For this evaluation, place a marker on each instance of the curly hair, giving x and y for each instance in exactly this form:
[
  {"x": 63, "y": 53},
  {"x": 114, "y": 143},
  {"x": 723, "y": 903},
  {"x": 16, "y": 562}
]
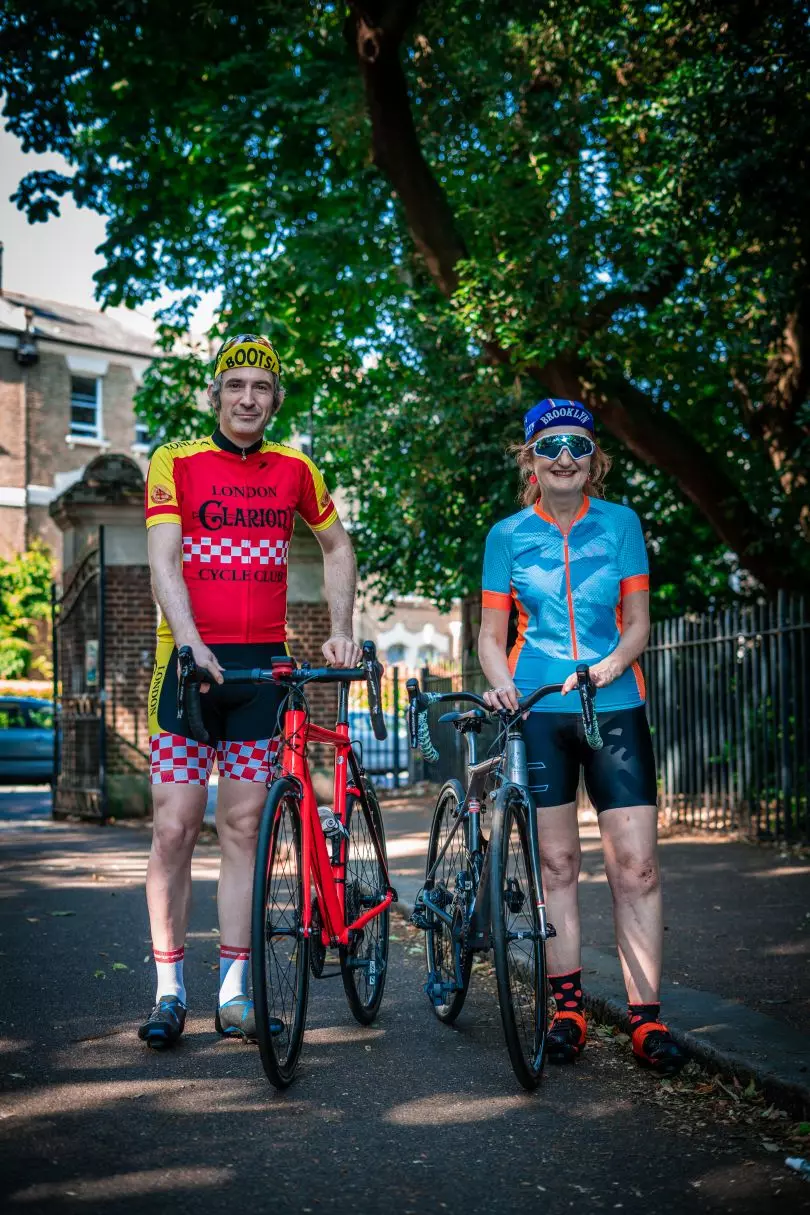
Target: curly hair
[{"x": 529, "y": 491}]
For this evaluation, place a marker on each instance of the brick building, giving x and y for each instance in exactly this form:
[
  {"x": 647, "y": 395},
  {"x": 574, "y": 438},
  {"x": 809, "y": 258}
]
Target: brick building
[{"x": 67, "y": 380}]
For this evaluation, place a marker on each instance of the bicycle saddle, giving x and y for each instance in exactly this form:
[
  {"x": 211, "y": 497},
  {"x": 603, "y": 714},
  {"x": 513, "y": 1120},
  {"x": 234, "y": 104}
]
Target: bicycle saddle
[{"x": 473, "y": 719}]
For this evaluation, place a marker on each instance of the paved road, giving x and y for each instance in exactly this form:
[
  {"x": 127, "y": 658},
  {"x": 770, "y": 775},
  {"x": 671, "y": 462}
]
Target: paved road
[
  {"x": 737, "y": 915},
  {"x": 405, "y": 1115}
]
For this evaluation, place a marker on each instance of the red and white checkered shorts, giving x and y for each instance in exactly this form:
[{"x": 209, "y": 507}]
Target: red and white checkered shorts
[{"x": 176, "y": 760}]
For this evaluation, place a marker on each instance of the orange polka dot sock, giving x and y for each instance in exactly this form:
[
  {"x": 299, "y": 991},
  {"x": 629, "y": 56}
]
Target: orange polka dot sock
[
  {"x": 640, "y": 1013},
  {"x": 567, "y": 991}
]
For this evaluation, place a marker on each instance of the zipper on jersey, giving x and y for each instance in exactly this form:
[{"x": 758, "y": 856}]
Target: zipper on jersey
[{"x": 568, "y": 593}]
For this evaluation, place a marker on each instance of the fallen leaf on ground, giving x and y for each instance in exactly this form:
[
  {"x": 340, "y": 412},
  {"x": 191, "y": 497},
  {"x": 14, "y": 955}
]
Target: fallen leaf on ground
[
  {"x": 32, "y": 919},
  {"x": 63, "y": 913},
  {"x": 120, "y": 966},
  {"x": 99, "y": 974}
]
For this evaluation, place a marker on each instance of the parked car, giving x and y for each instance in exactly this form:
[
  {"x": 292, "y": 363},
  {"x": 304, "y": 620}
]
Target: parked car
[
  {"x": 26, "y": 740},
  {"x": 378, "y": 757}
]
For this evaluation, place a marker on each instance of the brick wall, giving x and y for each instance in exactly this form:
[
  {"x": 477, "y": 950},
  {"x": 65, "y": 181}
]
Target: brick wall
[
  {"x": 308, "y": 627},
  {"x": 12, "y": 451},
  {"x": 43, "y": 390}
]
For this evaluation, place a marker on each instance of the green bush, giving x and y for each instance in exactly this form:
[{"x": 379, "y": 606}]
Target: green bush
[{"x": 25, "y": 600}]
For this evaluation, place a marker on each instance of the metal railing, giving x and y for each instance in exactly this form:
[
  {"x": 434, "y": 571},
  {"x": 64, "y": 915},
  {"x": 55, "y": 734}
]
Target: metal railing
[
  {"x": 729, "y": 705},
  {"x": 728, "y": 696}
]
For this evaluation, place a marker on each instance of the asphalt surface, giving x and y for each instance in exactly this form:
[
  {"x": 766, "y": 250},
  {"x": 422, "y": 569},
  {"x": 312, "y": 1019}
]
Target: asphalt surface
[
  {"x": 737, "y": 915},
  {"x": 404, "y": 1115}
]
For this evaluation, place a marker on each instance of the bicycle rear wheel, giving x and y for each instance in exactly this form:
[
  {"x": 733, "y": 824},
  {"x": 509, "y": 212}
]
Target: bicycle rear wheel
[
  {"x": 448, "y": 960},
  {"x": 520, "y": 956},
  {"x": 364, "y": 963},
  {"x": 279, "y": 951}
]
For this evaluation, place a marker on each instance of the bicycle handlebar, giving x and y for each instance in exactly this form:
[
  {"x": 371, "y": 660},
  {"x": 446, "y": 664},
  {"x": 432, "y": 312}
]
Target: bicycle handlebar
[
  {"x": 283, "y": 671},
  {"x": 418, "y": 703}
]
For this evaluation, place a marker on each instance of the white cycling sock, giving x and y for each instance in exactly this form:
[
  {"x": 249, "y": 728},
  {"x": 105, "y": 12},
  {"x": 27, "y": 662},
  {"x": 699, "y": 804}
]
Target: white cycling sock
[
  {"x": 169, "y": 963},
  {"x": 233, "y": 972}
]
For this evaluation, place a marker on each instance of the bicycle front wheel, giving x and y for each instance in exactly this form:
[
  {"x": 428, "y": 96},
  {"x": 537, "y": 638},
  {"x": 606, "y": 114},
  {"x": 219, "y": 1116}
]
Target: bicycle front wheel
[
  {"x": 449, "y": 960},
  {"x": 279, "y": 950},
  {"x": 364, "y": 963},
  {"x": 520, "y": 958}
]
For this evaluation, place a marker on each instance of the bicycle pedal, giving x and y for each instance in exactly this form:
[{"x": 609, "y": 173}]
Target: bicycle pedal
[{"x": 550, "y": 932}]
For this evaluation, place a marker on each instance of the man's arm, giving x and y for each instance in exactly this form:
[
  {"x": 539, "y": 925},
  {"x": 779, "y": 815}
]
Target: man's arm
[
  {"x": 340, "y": 579},
  {"x": 165, "y": 548}
]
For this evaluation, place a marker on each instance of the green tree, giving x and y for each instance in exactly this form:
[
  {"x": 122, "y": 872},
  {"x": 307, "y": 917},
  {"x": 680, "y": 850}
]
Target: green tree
[
  {"x": 439, "y": 216},
  {"x": 25, "y": 602}
]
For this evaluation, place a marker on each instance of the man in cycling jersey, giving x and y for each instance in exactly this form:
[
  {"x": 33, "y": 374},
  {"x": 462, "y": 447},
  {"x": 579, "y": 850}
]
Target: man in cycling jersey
[{"x": 220, "y": 513}]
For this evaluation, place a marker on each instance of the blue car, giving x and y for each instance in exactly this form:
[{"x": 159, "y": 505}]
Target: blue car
[{"x": 26, "y": 740}]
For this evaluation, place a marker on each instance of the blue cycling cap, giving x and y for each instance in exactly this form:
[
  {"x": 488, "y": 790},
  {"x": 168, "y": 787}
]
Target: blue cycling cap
[{"x": 555, "y": 412}]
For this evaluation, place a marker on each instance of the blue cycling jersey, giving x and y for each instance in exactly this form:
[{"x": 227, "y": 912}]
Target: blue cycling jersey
[{"x": 568, "y": 590}]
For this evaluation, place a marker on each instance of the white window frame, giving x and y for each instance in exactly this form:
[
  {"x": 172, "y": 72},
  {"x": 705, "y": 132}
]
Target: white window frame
[{"x": 97, "y": 436}]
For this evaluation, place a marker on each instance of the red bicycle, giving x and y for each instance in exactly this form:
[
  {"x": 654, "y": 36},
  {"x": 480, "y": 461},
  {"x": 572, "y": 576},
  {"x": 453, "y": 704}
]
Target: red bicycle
[{"x": 318, "y": 883}]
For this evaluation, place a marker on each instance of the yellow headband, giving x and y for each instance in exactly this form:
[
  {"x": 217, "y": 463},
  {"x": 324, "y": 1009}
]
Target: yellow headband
[{"x": 247, "y": 354}]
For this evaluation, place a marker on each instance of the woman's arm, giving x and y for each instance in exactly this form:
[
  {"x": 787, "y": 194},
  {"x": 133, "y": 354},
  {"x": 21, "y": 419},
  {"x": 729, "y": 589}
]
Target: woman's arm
[{"x": 494, "y": 663}]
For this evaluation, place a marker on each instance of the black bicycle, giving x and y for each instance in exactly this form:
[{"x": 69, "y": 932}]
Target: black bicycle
[{"x": 485, "y": 892}]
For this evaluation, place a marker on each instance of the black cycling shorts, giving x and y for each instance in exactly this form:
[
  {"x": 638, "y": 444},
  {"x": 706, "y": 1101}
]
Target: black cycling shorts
[
  {"x": 621, "y": 774},
  {"x": 231, "y": 713}
]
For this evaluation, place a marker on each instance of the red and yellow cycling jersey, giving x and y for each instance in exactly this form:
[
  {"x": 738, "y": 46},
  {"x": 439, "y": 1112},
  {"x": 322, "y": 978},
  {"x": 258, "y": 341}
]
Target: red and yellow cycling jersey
[{"x": 236, "y": 512}]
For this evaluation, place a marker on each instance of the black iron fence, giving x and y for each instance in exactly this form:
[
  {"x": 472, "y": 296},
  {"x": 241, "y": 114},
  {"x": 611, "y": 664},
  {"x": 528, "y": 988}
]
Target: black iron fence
[
  {"x": 78, "y": 676},
  {"x": 729, "y": 704}
]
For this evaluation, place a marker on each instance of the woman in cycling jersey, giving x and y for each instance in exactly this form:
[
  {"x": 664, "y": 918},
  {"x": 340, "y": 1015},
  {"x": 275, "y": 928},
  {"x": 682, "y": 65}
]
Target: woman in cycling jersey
[{"x": 575, "y": 567}]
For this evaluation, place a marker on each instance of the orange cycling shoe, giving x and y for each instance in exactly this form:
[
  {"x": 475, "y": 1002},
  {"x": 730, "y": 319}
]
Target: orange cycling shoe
[
  {"x": 654, "y": 1047},
  {"x": 566, "y": 1037}
]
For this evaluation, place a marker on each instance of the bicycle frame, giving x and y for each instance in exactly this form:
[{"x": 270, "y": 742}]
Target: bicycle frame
[
  {"x": 321, "y": 870},
  {"x": 515, "y": 780}
]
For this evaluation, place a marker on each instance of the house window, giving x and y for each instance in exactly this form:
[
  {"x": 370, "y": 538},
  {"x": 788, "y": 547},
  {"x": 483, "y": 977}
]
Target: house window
[
  {"x": 85, "y": 407},
  {"x": 141, "y": 434}
]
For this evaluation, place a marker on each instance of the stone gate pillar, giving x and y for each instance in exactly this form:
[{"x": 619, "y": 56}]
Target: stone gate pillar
[{"x": 108, "y": 502}]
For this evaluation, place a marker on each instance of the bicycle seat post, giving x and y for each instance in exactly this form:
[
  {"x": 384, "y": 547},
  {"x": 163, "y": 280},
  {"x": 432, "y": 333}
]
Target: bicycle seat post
[{"x": 470, "y": 737}]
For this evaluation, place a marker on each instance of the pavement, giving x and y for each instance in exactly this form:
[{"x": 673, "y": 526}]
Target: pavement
[
  {"x": 405, "y": 1115},
  {"x": 736, "y": 987}
]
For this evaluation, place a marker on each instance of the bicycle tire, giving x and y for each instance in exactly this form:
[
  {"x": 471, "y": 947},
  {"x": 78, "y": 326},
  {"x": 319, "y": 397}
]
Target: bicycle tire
[
  {"x": 279, "y": 951},
  {"x": 444, "y": 956},
  {"x": 520, "y": 963},
  {"x": 366, "y": 884}
]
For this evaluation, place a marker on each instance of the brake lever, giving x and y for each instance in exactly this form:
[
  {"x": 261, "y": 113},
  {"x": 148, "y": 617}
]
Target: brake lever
[{"x": 187, "y": 665}]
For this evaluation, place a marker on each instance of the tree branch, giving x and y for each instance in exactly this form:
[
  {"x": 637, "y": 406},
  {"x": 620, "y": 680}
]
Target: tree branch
[
  {"x": 655, "y": 437},
  {"x": 649, "y": 296},
  {"x": 377, "y": 34}
]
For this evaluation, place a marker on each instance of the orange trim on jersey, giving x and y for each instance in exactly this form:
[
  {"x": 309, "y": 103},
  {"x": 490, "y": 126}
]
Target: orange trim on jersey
[
  {"x": 583, "y": 510},
  {"x": 636, "y": 667},
  {"x": 498, "y": 600},
  {"x": 570, "y": 598},
  {"x": 638, "y": 582},
  {"x": 523, "y": 620}
]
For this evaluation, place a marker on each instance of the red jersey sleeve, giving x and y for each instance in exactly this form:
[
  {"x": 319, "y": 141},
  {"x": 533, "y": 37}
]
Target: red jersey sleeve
[{"x": 315, "y": 506}]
